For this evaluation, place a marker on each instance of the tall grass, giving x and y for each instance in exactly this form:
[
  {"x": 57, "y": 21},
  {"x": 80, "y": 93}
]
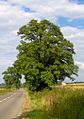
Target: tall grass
[
  {"x": 66, "y": 104},
  {"x": 62, "y": 102}
]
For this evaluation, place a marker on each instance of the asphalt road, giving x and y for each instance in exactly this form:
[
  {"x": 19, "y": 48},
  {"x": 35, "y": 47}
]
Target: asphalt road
[{"x": 11, "y": 104}]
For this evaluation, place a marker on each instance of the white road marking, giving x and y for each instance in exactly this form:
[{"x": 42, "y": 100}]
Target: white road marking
[{"x": 7, "y": 98}]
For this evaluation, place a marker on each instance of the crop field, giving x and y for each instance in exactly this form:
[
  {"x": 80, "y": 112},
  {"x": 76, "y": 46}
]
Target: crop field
[{"x": 4, "y": 90}]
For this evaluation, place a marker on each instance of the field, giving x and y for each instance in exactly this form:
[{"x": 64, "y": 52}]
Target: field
[
  {"x": 4, "y": 90},
  {"x": 62, "y": 102}
]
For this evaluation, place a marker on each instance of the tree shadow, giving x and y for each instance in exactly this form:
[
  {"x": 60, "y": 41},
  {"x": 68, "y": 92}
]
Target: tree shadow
[{"x": 35, "y": 114}]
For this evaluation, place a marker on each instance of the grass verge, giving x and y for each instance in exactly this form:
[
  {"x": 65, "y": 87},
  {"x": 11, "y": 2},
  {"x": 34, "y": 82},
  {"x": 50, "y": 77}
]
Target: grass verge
[{"x": 62, "y": 102}]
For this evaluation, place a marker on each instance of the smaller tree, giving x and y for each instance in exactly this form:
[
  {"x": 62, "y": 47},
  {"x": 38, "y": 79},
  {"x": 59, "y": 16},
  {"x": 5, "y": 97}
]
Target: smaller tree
[{"x": 12, "y": 78}]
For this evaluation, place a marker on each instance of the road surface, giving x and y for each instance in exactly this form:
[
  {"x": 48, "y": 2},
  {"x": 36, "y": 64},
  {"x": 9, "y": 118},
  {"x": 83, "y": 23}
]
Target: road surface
[{"x": 11, "y": 104}]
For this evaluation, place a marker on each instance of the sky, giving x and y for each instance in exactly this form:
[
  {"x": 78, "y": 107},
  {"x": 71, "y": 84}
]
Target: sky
[{"x": 68, "y": 14}]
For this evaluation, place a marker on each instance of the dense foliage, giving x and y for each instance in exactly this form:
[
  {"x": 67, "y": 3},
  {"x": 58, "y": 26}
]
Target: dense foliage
[
  {"x": 12, "y": 77},
  {"x": 45, "y": 56}
]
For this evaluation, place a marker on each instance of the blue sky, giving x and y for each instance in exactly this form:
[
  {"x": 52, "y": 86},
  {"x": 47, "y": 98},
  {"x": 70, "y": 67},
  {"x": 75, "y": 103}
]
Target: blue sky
[
  {"x": 68, "y": 14},
  {"x": 78, "y": 1},
  {"x": 64, "y": 21}
]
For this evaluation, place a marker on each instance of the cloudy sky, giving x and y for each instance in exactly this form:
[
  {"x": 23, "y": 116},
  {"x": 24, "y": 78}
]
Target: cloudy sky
[{"x": 68, "y": 14}]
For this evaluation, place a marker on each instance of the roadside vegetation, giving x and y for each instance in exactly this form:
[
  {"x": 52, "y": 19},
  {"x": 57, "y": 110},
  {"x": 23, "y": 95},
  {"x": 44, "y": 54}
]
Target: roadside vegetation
[{"x": 62, "y": 102}]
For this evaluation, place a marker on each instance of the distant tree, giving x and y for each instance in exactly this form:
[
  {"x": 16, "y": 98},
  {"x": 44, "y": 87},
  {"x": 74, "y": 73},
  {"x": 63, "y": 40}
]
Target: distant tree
[
  {"x": 45, "y": 56},
  {"x": 11, "y": 78}
]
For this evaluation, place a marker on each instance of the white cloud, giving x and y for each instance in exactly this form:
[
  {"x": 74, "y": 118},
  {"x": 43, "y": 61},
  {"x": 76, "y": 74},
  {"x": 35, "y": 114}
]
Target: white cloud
[
  {"x": 11, "y": 18},
  {"x": 76, "y": 36},
  {"x": 80, "y": 64},
  {"x": 73, "y": 32},
  {"x": 52, "y": 8}
]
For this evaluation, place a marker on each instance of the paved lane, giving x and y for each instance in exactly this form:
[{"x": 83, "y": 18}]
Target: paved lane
[{"x": 11, "y": 104}]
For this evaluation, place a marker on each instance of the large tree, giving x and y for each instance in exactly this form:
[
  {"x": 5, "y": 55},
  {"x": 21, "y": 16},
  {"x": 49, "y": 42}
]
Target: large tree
[{"x": 45, "y": 56}]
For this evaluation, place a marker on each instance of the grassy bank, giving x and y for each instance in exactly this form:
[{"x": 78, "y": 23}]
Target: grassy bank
[{"x": 62, "y": 102}]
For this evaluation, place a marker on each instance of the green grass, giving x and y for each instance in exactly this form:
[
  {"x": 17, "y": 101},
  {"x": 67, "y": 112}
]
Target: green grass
[
  {"x": 35, "y": 114},
  {"x": 61, "y": 102}
]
